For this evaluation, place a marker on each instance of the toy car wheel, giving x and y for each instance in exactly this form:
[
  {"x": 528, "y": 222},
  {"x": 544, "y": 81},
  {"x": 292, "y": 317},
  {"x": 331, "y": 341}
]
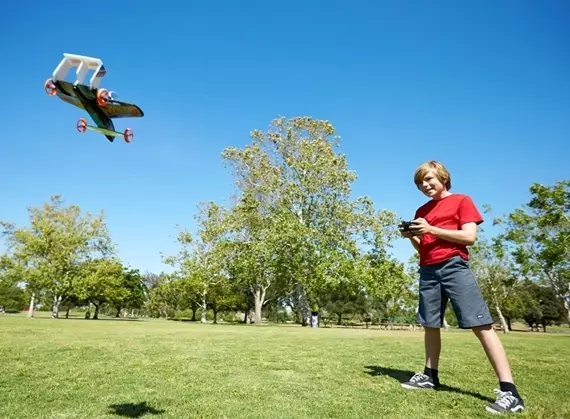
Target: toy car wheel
[
  {"x": 50, "y": 88},
  {"x": 103, "y": 97},
  {"x": 81, "y": 125},
  {"x": 128, "y": 135}
]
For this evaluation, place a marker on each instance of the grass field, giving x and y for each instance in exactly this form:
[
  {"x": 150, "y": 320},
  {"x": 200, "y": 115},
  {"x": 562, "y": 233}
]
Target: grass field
[{"x": 158, "y": 369}]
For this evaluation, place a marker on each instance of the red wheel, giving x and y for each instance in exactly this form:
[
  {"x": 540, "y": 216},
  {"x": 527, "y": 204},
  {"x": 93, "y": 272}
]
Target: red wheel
[
  {"x": 128, "y": 135},
  {"x": 50, "y": 88},
  {"x": 103, "y": 97},
  {"x": 81, "y": 125}
]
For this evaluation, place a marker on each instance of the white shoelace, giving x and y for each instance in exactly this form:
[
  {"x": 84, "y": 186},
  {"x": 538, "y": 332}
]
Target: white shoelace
[
  {"x": 504, "y": 398},
  {"x": 417, "y": 377}
]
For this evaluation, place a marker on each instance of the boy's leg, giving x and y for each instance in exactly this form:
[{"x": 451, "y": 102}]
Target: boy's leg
[
  {"x": 495, "y": 352},
  {"x": 432, "y": 342},
  {"x": 472, "y": 313},
  {"x": 430, "y": 315}
]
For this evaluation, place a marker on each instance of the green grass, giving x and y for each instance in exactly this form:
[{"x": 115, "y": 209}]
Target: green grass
[{"x": 157, "y": 369}]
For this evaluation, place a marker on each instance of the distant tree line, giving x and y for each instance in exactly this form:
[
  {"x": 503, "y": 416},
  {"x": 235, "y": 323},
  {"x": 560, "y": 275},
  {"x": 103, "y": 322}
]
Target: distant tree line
[{"x": 293, "y": 243}]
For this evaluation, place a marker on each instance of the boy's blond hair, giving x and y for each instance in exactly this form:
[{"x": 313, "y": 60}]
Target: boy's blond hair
[{"x": 441, "y": 173}]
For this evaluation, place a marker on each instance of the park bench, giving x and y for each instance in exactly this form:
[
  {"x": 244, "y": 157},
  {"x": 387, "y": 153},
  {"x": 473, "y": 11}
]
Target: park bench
[
  {"x": 399, "y": 323},
  {"x": 348, "y": 321}
]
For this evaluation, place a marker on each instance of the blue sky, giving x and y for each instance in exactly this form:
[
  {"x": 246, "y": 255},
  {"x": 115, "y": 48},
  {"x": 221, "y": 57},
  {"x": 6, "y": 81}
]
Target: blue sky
[{"x": 482, "y": 86}]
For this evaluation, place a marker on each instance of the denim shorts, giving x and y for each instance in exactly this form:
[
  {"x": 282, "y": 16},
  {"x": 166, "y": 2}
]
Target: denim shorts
[{"x": 451, "y": 280}]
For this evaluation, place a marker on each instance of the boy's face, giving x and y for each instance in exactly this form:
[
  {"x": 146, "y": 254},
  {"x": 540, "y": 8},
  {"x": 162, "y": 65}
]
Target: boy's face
[{"x": 431, "y": 186}]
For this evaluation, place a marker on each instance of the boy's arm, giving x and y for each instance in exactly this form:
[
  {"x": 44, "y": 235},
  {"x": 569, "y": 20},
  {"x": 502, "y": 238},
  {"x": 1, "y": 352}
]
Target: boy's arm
[
  {"x": 469, "y": 217},
  {"x": 465, "y": 236}
]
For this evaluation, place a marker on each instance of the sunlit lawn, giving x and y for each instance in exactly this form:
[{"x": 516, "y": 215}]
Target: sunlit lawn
[{"x": 154, "y": 368}]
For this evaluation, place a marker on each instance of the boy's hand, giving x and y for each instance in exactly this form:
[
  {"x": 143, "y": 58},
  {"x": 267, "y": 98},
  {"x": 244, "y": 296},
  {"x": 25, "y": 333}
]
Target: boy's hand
[
  {"x": 420, "y": 227},
  {"x": 406, "y": 233}
]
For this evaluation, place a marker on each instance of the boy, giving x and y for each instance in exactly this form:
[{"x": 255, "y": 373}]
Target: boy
[{"x": 441, "y": 231}]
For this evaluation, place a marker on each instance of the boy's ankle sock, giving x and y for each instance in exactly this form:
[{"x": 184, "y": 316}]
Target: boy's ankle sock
[
  {"x": 431, "y": 373},
  {"x": 507, "y": 386}
]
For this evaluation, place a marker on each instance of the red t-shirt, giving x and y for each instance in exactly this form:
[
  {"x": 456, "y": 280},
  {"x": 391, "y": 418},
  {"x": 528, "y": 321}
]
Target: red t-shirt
[{"x": 448, "y": 213}]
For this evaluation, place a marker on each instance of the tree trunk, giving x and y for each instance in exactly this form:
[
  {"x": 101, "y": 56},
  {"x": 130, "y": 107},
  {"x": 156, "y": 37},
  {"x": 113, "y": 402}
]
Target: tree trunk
[
  {"x": 564, "y": 295},
  {"x": 118, "y": 312},
  {"x": 32, "y": 304},
  {"x": 55, "y": 307},
  {"x": 246, "y": 315},
  {"x": 303, "y": 305},
  {"x": 204, "y": 308},
  {"x": 509, "y": 324},
  {"x": 339, "y": 323},
  {"x": 194, "y": 314},
  {"x": 315, "y": 319},
  {"x": 259, "y": 296},
  {"x": 567, "y": 307},
  {"x": 301, "y": 292},
  {"x": 67, "y": 313},
  {"x": 96, "y": 314},
  {"x": 504, "y": 324},
  {"x": 215, "y": 316}
]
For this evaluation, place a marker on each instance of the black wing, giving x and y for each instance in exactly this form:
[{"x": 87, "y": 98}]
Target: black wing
[{"x": 117, "y": 109}]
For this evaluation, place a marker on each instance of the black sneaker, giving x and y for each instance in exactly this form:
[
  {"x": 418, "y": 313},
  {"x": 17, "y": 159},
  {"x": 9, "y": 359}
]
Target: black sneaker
[
  {"x": 419, "y": 381},
  {"x": 506, "y": 403}
]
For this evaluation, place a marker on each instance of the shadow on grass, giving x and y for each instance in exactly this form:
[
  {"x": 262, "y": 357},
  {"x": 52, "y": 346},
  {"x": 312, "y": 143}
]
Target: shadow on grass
[
  {"x": 131, "y": 410},
  {"x": 403, "y": 375}
]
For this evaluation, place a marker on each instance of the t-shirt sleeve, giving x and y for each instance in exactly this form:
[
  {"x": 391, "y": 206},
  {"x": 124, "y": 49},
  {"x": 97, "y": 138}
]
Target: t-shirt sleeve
[{"x": 468, "y": 212}]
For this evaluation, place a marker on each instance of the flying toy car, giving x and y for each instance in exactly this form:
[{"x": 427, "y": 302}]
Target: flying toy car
[{"x": 99, "y": 103}]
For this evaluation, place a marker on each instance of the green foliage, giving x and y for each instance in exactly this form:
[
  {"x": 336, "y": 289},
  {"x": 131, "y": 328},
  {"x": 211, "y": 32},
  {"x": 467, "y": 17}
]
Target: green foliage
[
  {"x": 543, "y": 306},
  {"x": 450, "y": 316},
  {"x": 48, "y": 254},
  {"x": 538, "y": 235},
  {"x": 200, "y": 263},
  {"x": 107, "y": 281},
  {"x": 493, "y": 266},
  {"x": 294, "y": 236},
  {"x": 12, "y": 297},
  {"x": 134, "y": 292},
  {"x": 167, "y": 297},
  {"x": 294, "y": 226}
]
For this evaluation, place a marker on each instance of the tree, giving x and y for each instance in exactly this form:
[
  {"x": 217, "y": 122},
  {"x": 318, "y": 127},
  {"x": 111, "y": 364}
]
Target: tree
[
  {"x": 133, "y": 292},
  {"x": 295, "y": 223},
  {"x": 151, "y": 280},
  {"x": 224, "y": 295},
  {"x": 200, "y": 262},
  {"x": 100, "y": 281},
  {"x": 539, "y": 238},
  {"x": 493, "y": 269},
  {"x": 543, "y": 306},
  {"x": 12, "y": 297},
  {"x": 261, "y": 240},
  {"x": 345, "y": 298},
  {"x": 48, "y": 253},
  {"x": 166, "y": 297}
]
